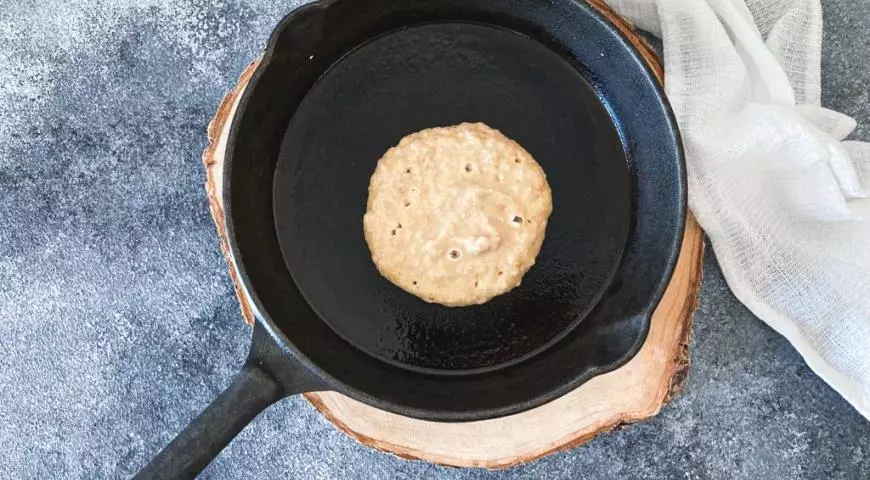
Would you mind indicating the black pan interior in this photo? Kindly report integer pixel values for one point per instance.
(345, 80)
(437, 75)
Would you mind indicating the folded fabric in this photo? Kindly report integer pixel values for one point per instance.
(783, 199)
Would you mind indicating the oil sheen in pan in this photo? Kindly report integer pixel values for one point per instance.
(436, 75)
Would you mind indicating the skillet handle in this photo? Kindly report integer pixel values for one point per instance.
(268, 375)
(188, 454)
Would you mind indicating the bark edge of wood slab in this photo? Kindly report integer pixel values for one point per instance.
(632, 393)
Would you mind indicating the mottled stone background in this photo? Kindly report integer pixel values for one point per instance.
(117, 319)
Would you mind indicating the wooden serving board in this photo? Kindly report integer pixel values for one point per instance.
(629, 394)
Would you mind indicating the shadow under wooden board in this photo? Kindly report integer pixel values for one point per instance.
(632, 393)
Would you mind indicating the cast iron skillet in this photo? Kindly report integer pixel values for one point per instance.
(341, 81)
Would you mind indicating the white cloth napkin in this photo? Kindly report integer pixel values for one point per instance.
(781, 196)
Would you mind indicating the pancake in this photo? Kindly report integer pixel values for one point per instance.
(457, 215)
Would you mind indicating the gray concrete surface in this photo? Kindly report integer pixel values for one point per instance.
(117, 319)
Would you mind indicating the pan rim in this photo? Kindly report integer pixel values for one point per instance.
(281, 338)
